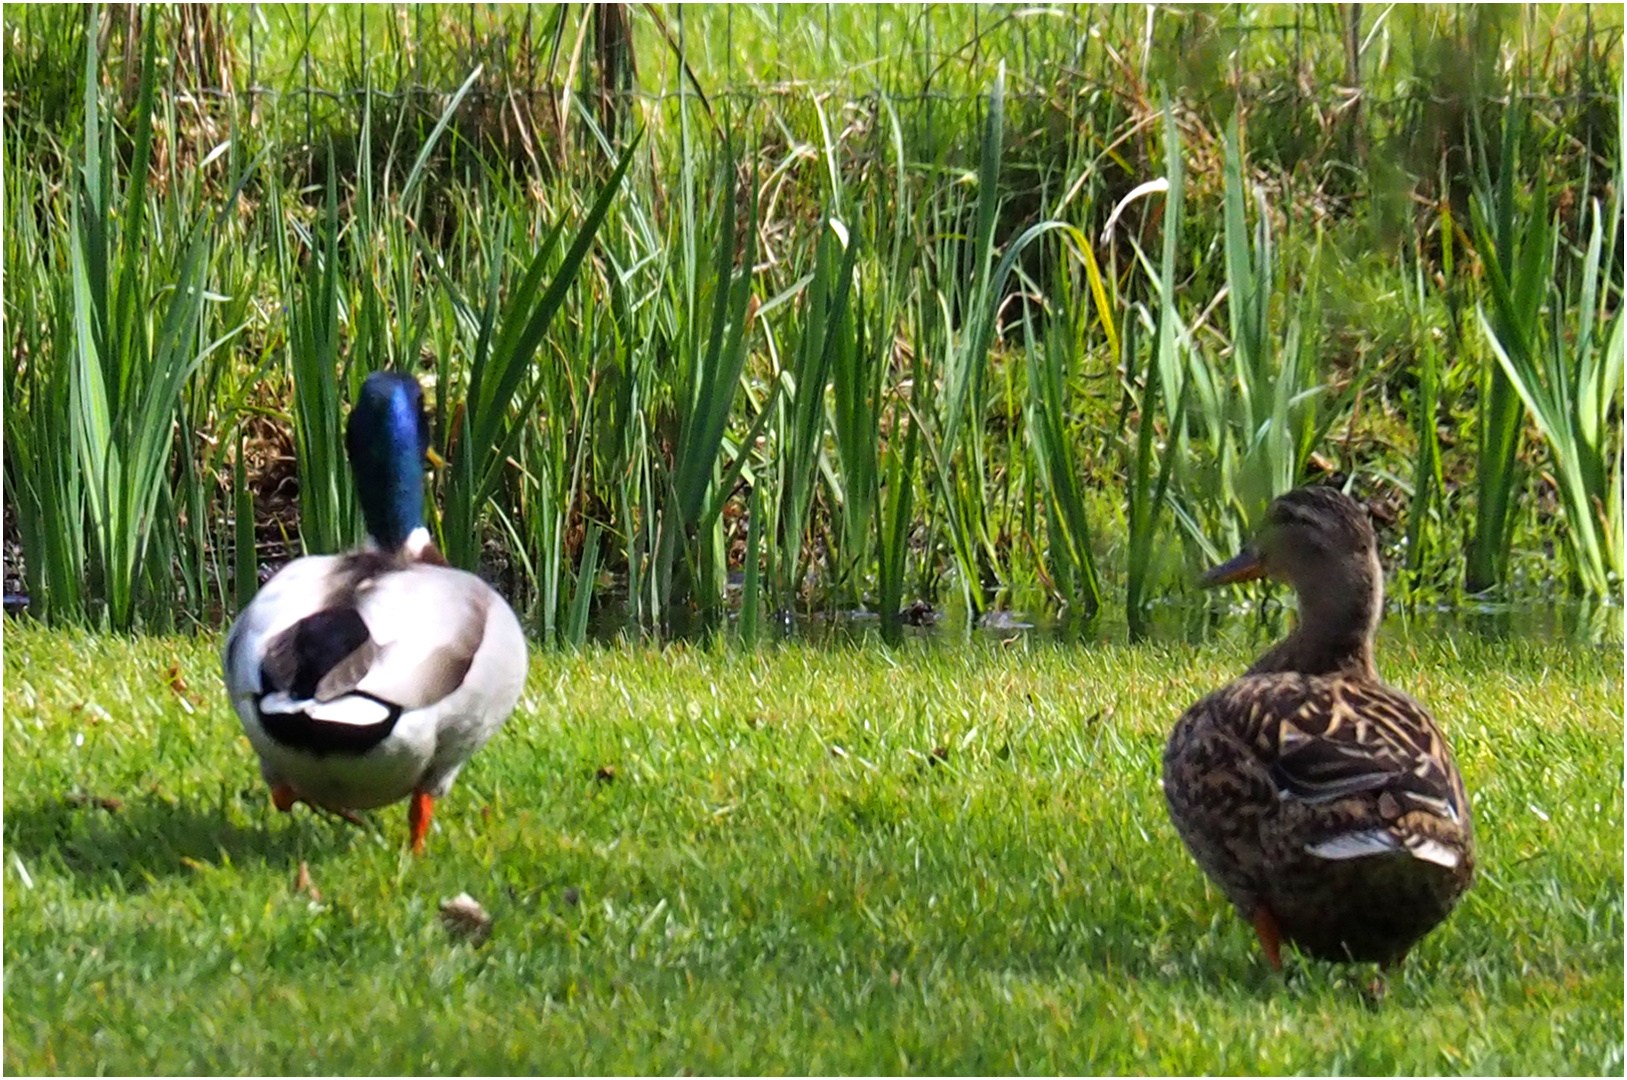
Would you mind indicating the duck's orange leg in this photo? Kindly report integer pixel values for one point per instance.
(1265, 927)
(418, 815)
(283, 797)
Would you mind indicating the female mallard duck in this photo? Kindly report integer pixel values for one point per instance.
(1324, 803)
(365, 678)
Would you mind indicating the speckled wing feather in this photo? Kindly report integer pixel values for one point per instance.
(1335, 739)
(428, 622)
(381, 638)
(1278, 766)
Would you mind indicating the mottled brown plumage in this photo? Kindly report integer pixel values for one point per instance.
(1324, 803)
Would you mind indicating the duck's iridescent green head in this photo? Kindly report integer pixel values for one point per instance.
(388, 437)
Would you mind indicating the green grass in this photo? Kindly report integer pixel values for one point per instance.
(781, 875)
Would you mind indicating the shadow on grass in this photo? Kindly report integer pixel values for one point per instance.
(146, 839)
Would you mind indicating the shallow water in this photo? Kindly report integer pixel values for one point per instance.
(1253, 619)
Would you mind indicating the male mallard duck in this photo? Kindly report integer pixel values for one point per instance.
(365, 678)
(1324, 803)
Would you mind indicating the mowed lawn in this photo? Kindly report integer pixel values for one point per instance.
(804, 859)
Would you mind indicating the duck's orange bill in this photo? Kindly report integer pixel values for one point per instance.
(1245, 567)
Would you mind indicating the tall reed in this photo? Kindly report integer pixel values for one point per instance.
(959, 324)
(824, 346)
(327, 520)
(824, 340)
(688, 362)
(137, 309)
(1052, 369)
(1156, 388)
(1260, 414)
(1507, 236)
(1567, 376)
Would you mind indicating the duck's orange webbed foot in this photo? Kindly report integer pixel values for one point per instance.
(1265, 927)
(418, 815)
(1380, 986)
(283, 797)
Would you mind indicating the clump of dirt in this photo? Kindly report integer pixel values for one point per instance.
(11, 560)
(272, 472)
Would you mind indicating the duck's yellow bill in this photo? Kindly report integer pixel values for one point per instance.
(1245, 567)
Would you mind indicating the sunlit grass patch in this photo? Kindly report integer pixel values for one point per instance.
(798, 860)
